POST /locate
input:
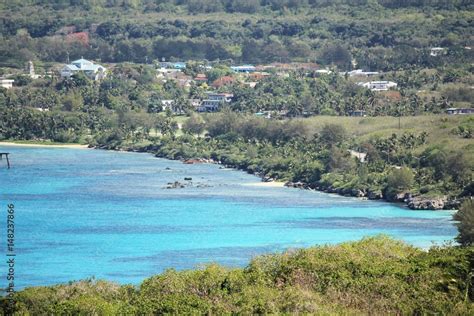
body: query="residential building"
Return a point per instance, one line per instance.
(378, 85)
(167, 104)
(175, 106)
(437, 51)
(454, 111)
(244, 68)
(195, 103)
(223, 81)
(173, 65)
(257, 76)
(323, 71)
(361, 73)
(250, 84)
(214, 101)
(6, 83)
(91, 70)
(200, 78)
(164, 72)
(181, 79)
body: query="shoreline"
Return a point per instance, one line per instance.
(13, 144)
(415, 203)
(270, 184)
(265, 181)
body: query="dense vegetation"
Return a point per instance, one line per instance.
(299, 151)
(465, 223)
(378, 34)
(124, 111)
(372, 276)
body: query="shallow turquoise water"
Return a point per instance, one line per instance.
(84, 213)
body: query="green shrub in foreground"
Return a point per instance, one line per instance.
(376, 275)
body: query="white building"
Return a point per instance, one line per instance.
(214, 102)
(244, 68)
(378, 85)
(360, 72)
(437, 51)
(323, 71)
(167, 104)
(6, 83)
(91, 70)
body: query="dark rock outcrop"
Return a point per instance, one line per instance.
(375, 195)
(424, 203)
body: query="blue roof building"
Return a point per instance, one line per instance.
(91, 70)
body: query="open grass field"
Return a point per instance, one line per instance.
(440, 128)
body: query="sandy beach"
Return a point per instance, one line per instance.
(45, 145)
(274, 184)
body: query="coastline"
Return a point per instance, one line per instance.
(77, 146)
(413, 202)
(407, 199)
(271, 184)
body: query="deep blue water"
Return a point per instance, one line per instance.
(83, 213)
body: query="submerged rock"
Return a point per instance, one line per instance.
(175, 185)
(188, 183)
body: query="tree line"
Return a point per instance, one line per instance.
(324, 34)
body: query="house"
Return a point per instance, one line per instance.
(167, 104)
(251, 84)
(200, 78)
(6, 83)
(214, 101)
(323, 72)
(454, 111)
(437, 51)
(378, 85)
(244, 68)
(181, 79)
(257, 76)
(223, 81)
(91, 70)
(195, 103)
(175, 106)
(361, 73)
(165, 72)
(173, 65)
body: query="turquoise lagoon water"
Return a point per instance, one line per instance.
(83, 213)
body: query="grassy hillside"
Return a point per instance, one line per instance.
(372, 276)
(442, 129)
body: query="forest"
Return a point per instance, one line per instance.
(378, 35)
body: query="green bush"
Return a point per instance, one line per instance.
(376, 275)
(465, 218)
